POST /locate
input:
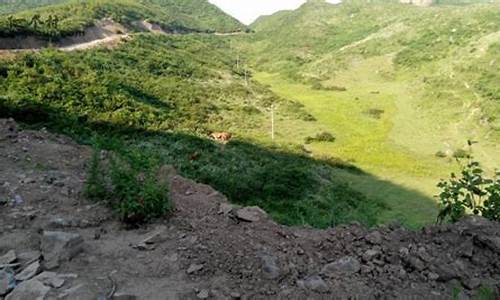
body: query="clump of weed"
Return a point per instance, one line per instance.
(440, 154)
(325, 137)
(461, 153)
(375, 113)
(131, 189)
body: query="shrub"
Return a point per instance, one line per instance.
(321, 137)
(471, 191)
(375, 113)
(440, 154)
(133, 191)
(461, 153)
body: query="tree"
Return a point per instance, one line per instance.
(35, 21)
(11, 22)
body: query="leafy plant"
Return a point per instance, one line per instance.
(471, 191)
(324, 136)
(132, 190)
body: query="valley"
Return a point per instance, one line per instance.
(162, 149)
(391, 141)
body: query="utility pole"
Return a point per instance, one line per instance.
(272, 122)
(238, 61)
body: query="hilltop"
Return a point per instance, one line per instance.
(55, 19)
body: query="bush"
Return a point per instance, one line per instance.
(461, 153)
(375, 113)
(321, 137)
(471, 191)
(134, 192)
(440, 154)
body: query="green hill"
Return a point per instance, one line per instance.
(450, 51)
(369, 100)
(60, 18)
(155, 100)
(402, 87)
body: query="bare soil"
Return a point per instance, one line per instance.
(210, 249)
(104, 32)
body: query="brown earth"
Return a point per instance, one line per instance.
(208, 248)
(103, 32)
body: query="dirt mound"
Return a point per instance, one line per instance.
(148, 26)
(104, 31)
(54, 244)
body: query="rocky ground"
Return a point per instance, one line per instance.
(54, 244)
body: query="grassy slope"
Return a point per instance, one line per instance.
(431, 71)
(75, 15)
(158, 97)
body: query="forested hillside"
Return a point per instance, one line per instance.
(73, 16)
(157, 98)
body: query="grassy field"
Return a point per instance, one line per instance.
(402, 89)
(382, 127)
(365, 140)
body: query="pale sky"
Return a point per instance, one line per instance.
(248, 10)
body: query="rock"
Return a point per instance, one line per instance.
(466, 249)
(60, 246)
(78, 292)
(491, 242)
(31, 289)
(314, 283)
(415, 263)
(447, 271)
(7, 282)
(121, 296)
(50, 279)
(235, 295)
(144, 247)
(371, 254)
(8, 258)
(471, 283)
(29, 256)
(203, 294)
(251, 214)
(270, 266)
(194, 268)
(29, 272)
(156, 237)
(225, 208)
(432, 276)
(423, 255)
(347, 265)
(374, 238)
(58, 223)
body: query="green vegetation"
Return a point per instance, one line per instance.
(372, 103)
(402, 87)
(320, 137)
(131, 185)
(159, 97)
(12, 6)
(73, 16)
(472, 191)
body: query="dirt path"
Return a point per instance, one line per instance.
(107, 41)
(103, 33)
(208, 248)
